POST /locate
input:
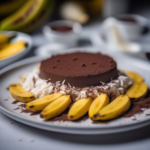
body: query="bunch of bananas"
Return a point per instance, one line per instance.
(28, 16)
(99, 109)
(8, 49)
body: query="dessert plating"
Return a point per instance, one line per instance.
(89, 75)
(92, 82)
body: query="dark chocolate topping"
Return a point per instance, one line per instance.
(79, 69)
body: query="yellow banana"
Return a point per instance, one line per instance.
(29, 16)
(41, 103)
(8, 7)
(116, 108)
(3, 46)
(137, 90)
(18, 93)
(98, 103)
(4, 38)
(56, 107)
(136, 77)
(79, 108)
(12, 49)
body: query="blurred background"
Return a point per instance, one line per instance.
(115, 25)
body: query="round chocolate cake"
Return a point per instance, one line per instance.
(79, 69)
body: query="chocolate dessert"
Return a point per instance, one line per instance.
(79, 69)
(80, 75)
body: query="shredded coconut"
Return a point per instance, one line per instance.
(40, 88)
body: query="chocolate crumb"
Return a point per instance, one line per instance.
(138, 106)
(134, 119)
(100, 122)
(15, 102)
(5, 99)
(32, 112)
(147, 114)
(21, 105)
(35, 113)
(16, 108)
(7, 88)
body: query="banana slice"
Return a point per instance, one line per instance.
(135, 76)
(41, 103)
(18, 93)
(98, 103)
(116, 108)
(56, 107)
(137, 90)
(12, 49)
(79, 108)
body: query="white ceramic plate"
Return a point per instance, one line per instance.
(12, 73)
(20, 36)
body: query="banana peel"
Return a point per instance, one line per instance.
(114, 109)
(9, 7)
(98, 103)
(56, 107)
(28, 17)
(18, 93)
(79, 108)
(41, 103)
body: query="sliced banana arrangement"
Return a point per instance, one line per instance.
(98, 109)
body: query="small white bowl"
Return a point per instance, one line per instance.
(20, 37)
(131, 30)
(68, 38)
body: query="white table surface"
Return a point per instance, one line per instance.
(17, 136)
